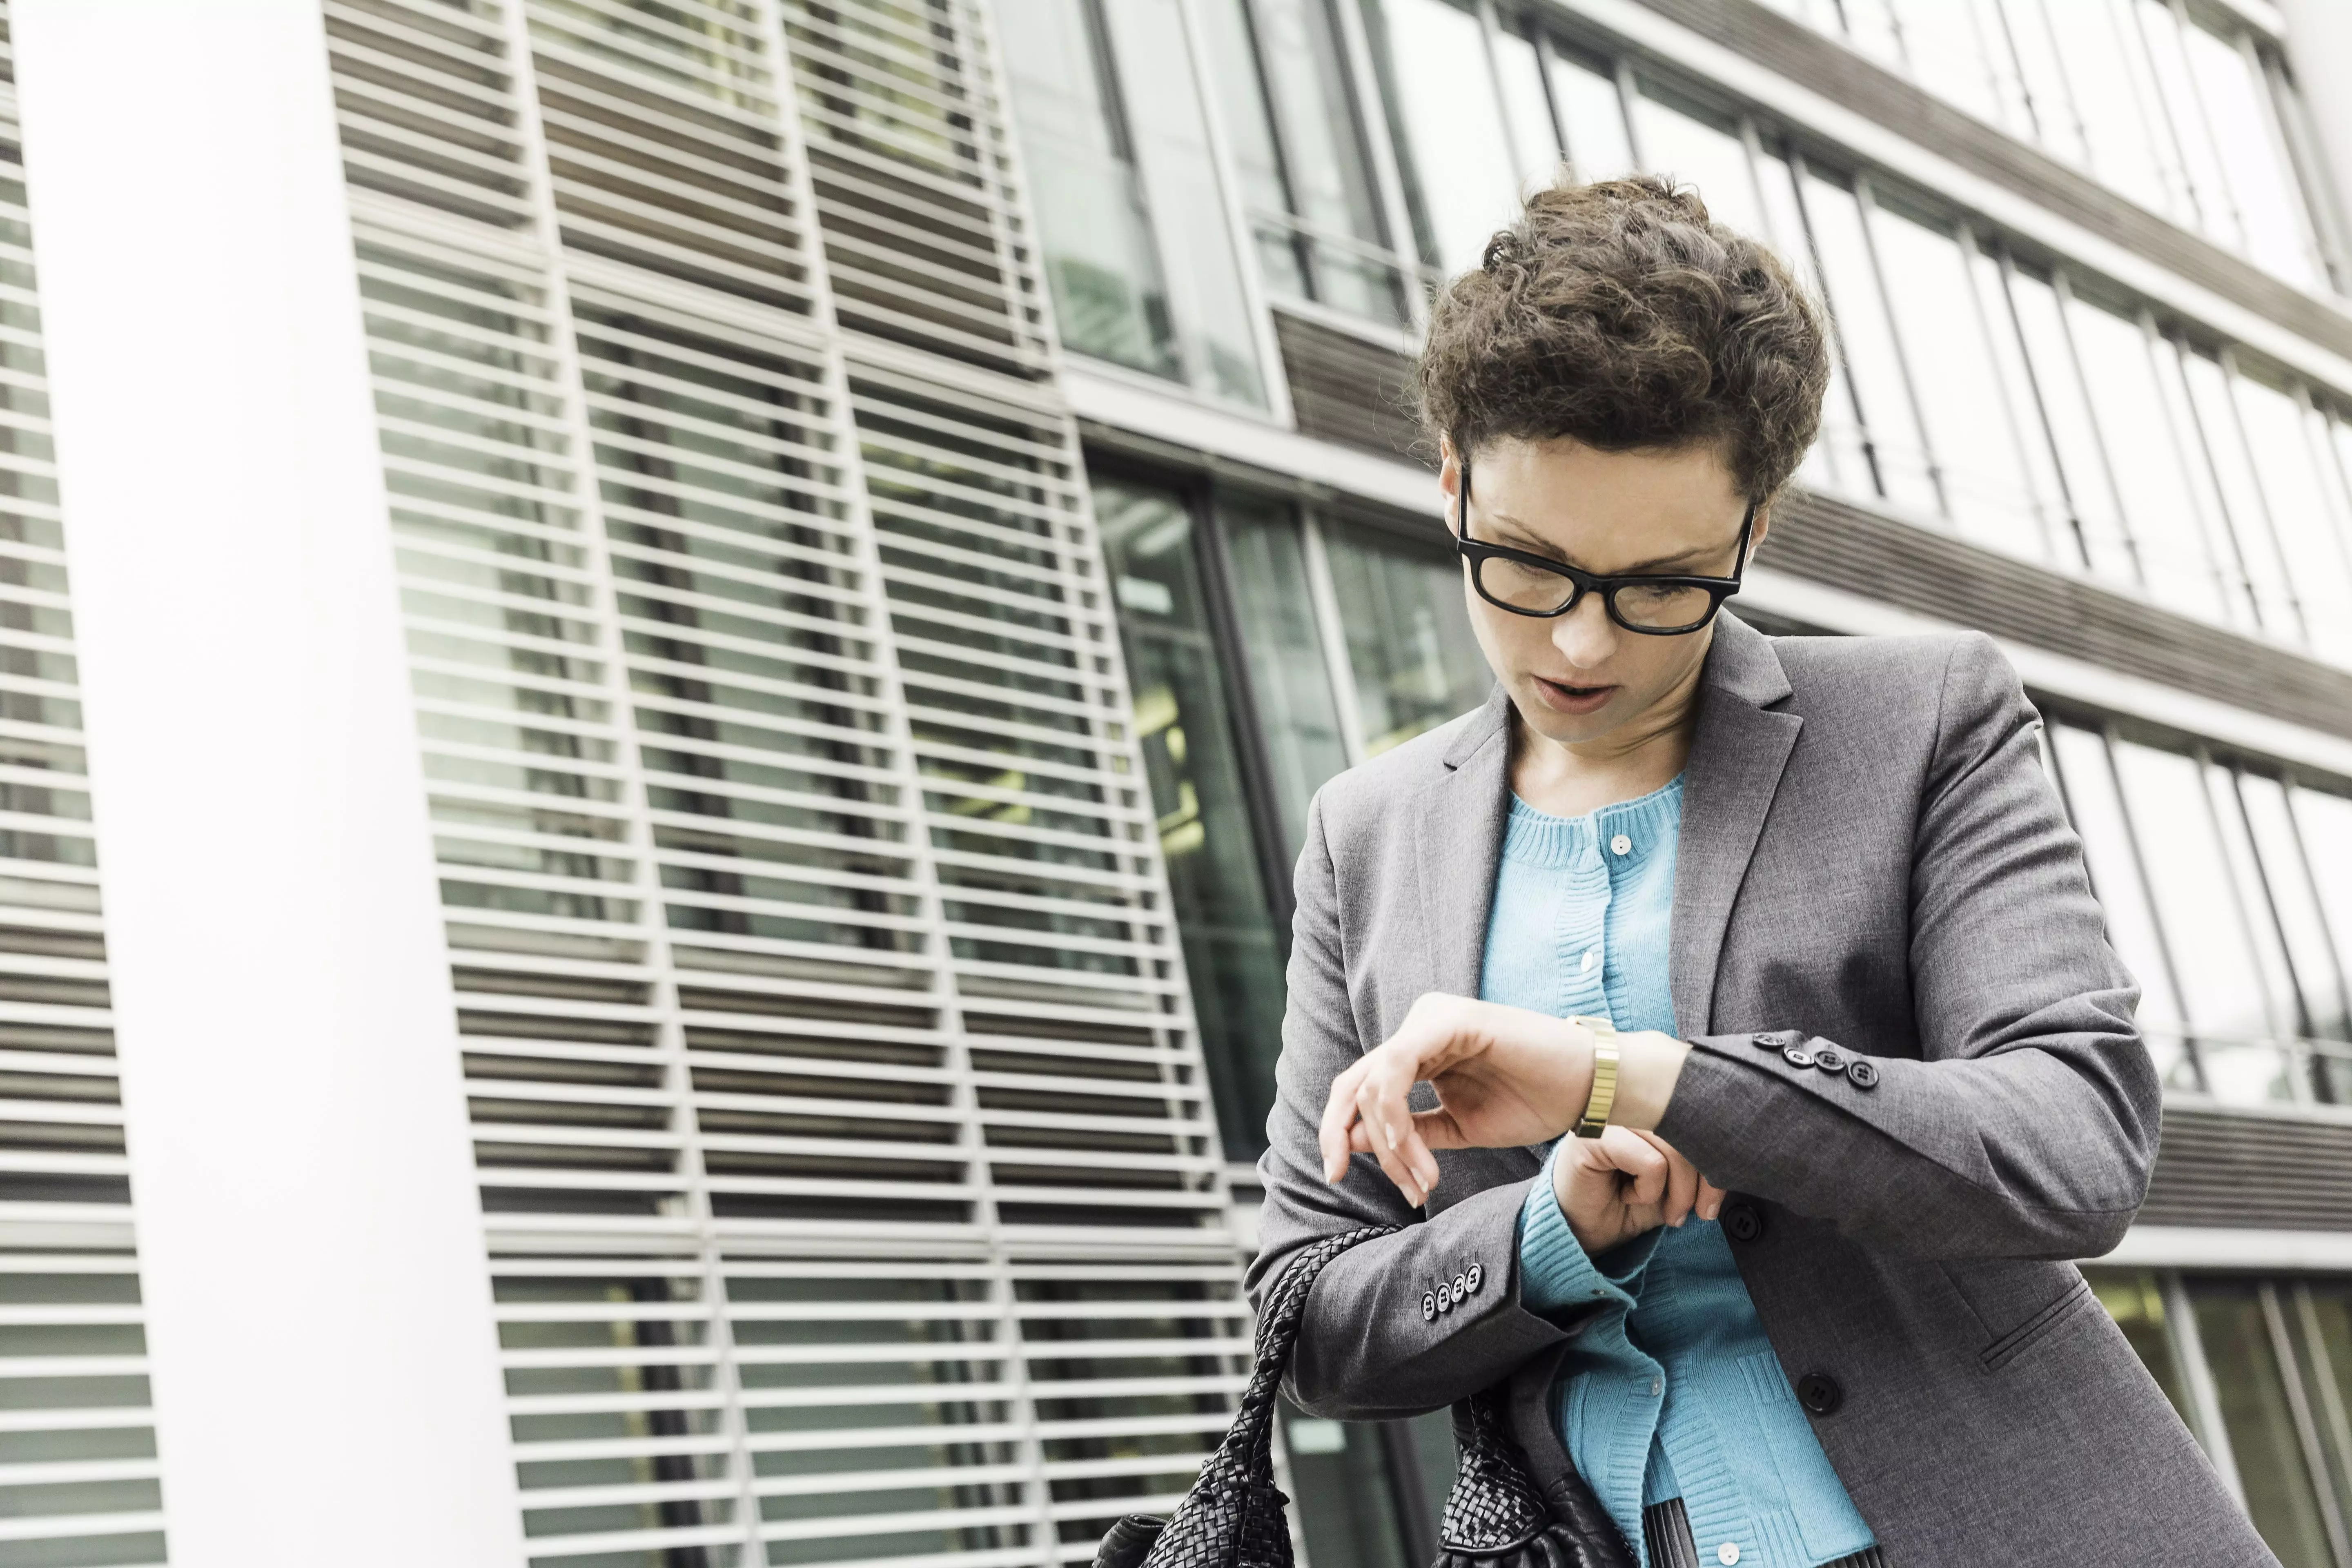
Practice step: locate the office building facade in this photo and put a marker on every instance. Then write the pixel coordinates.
(707, 626)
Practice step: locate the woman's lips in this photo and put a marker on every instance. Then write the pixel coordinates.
(1561, 697)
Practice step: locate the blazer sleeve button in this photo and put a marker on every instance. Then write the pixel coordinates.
(1818, 1392)
(1476, 1278)
(1445, 1300)
(1828, 1059)
(1861, 1073)
(1768, 1041)
(1428, 1306)
(1797, 1057)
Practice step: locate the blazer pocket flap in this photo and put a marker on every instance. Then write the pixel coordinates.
(2039, 1327)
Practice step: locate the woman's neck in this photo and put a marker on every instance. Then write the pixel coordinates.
(1569, 779)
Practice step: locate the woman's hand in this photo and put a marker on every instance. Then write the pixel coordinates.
(1505, 1077)
(1616, 1186)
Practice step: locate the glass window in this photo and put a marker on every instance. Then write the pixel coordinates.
(1948, 55)
(2091, 45)
(2232, 1323)
(2277, 975)
(2197, 901)
(2185, 115)
(2037, 463)
(1525, 108)
(1282, 646)
(2324, 827)
(1592, 115)
(1110, 298)
(2318, 975)
(1232, 954)
(1960, 391)
(1873, 367)
(1698, 147)
(2048, 99)
(1347, 1511)
(1415, 660)
(2241, 497)
(2236, 97)
(2057, 380)
(1838, 459)
(2167, 540)
(2204, 497)
(2097, 813)
(1452, 146)
(1231, 50)
(2329, 1320)
(1211, 307)
(2136, 1300)
(1283, 64)
(2277, 437)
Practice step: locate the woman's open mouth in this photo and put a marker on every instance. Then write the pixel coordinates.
(1562, 698)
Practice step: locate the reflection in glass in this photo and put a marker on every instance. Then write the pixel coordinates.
(2323, 824)
(1452, 147)
(1947, 53)
(2167, 539)
(1290, 687)
(2097, 813)
(1838, 460)
(2328, 1316)
(2055, 123)
(2112, 116)
(1410, 647)
(2234, 1328)
(1960, 392)
(2204, 497)
(2136, 1302)
(1591, 114)
(1873, 368)
(1171, 147)
(1281, 67)
(2197, 901)
(1347, 1512)
(2277, 975)
(2237, 104)
(1231, 953)
(2299, 516)
(1229, 43)
(1110, 299)
(1698, 147)
(2184, 113)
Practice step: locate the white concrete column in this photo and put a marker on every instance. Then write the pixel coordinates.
(2319, 47)
(327, 1382)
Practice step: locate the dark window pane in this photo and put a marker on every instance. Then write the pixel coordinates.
(1181, 719)
(1340, 1479)
(2260, 1421)
(2135, 1300)
(1290, 682)
(1415, 662)
(2329, 1348)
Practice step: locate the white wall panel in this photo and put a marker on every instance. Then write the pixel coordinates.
(327, 1388)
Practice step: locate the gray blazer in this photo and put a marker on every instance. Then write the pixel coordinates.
(1871, 855)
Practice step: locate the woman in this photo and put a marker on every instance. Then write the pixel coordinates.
(1789, 936)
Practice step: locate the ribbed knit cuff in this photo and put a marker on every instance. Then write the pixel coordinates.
(1555, 1272)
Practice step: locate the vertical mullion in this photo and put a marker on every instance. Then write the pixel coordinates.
(564, 345)
(1324, 599)
(2306, 1428)
(1372, 125)
(2335, 1422)
(2197, 1378)
(1866, 199)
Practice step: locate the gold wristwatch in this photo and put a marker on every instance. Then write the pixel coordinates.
(1598, 1104)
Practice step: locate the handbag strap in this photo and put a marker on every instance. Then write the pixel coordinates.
(1247, 1452)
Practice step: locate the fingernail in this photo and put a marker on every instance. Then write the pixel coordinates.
(1713, 1209)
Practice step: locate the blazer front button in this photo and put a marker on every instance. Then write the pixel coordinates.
(1742, 1221)
(1820, 1394)
(1861, 1073)
(1476, 1278)
(1428, 1305)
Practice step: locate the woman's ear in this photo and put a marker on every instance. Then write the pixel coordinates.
(1449, 482)
(1761, 527)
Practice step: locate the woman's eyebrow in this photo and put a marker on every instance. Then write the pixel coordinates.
(1520, 537)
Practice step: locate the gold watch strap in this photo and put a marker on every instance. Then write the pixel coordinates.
(1604, 1098)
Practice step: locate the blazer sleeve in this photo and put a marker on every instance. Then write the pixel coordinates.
(2028, 1126)
(1369, 1347)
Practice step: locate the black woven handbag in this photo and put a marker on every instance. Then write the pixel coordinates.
(1495, 1517)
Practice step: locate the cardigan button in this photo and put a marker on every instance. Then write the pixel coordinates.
(1820, 1394)
(1742, 1221)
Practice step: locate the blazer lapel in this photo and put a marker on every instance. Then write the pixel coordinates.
(1736, 757)
(1459, 822)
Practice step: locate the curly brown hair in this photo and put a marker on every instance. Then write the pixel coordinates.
(1620, 314)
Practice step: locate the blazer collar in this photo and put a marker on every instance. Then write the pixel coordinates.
(1736, 757)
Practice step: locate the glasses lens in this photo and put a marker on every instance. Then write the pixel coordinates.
(1519, 586)
(1663, 607)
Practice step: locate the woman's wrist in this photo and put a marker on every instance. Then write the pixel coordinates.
(1649, 1065)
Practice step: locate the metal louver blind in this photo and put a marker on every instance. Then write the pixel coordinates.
(852, 1191)
(79, 1477)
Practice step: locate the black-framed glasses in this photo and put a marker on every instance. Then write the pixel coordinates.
(1530, 584)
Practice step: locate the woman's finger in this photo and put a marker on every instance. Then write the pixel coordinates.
(1382, 1109)
(1682, 1181)
(1339, 1118)
(1645, 1164)
(1710, 1199)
